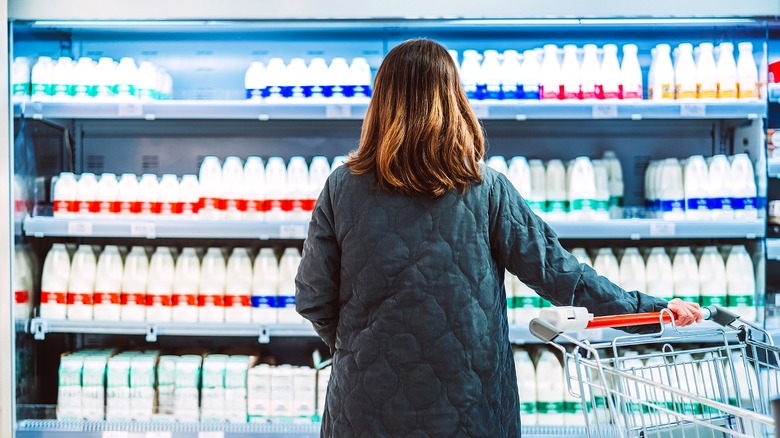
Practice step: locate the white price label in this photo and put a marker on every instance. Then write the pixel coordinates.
(158, 434)
(693, 110)
(212, 434)
(292, 231)
(593, 335)
(114, 434)
(605, 111)
(130, 109)
(662, 229)
(79, 228)
(338, 111)
(146, 230)
(481, 110)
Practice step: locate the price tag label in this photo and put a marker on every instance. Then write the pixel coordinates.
(146, 230)
(693, 110)
(662, 229)
(79, 228)
(292, 231)
(130, 109)
(605, 111)
(213, 434)
(114, 434)
(338, 111)
(481, 110)
(158, 434)
(593, 335)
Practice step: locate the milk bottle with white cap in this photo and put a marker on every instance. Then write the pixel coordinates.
(470, 72)
(107, 196)
(296, 78)
(632, 271)
(706, 73)
(147, 81)
(719, 199)
(537, 197)
(570, 72)
(159, 292)
(551, 78)
(22, 284)
(211, 307)
(105, 79)
(663, 85)
(601, 200)
(610, 73)
(288, 268)
(317, 75)
(531, 75)
(126, 79)
(65, 190)
(743, 188)
(42, 79)
(630, 74)
(727, 72)
(338, 72)
(54, 283)
(606, 265)
(685, 272)
(20, 78)
(298, 186)
(276, 72)
(555, 188)
(232, 204)
(498, 163)
(696, 183)
(254, 81)
(519, 174)
(238, 287)
(489, 82)
(63, 79)
(81, 285)
(685, 72)
(511, 72)
(210, 178)
(741, 288)
(276, 189)
(660, 274)
(360, 77)
(84, 87)
(319, 171)
(582, 190)
(168, 206)
(254, 188)
(108, 285)
(526, 386)
(186, 282)
(265, 287)
(87, 204)
(590, 76)
(712, 278)
(189, 197)
(134, 282)
(672, 192)
(549, 390)
(747, 72)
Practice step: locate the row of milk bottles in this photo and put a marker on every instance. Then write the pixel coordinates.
(87, 79)
(233, 190)
(184, 287)
(545, 398)
(581, 190)
(718, 188)
(278, 79)
(695, 74)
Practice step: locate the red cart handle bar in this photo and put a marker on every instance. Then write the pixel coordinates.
(715, 313)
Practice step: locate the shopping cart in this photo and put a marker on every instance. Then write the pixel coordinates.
(678, 387)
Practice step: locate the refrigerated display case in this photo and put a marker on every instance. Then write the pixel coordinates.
(208, 114)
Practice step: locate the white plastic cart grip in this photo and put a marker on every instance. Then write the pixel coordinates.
(567, 319)
(543, 330)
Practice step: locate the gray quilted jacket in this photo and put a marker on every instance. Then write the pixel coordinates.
(408, 293)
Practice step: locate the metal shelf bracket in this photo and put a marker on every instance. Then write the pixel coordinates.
(265, 336)
(151, 333)
(38, 328)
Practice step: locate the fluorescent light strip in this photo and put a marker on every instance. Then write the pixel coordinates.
(113, 23)
(629, 21)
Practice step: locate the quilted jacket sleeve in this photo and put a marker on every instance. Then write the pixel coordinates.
(530, 249)
(318, 279)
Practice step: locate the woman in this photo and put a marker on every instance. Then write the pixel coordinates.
(403, 269)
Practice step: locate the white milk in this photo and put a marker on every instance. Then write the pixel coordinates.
(632, 271)
(54, 283)
(159, 295)
(650, 196)
(276, 189)
(148, 87)
(685, 72)
(663, 85)
(288, 268)
(601, 210)
(134, 281)
(211, 307)
(210, 178)
(108, 284)
(259, 391)
(254, 81)
(631, 74)
(65, 195)
(22, 283)
(582, 190)
(727, 72)
(236, 394)
(706, 73)
(69, 391)
(743, 188)
(338, 74)
(526, 386)
(63, 79)
(498, 163)
(570, 72)
(142, 386)
(660, 275)
(470, 72)
(511, 73)
(296, 77)
(323, 378)
(319, 171)
(81, 286)
(526, 302)
(254, 188)
(712, 277)
(298, 186)
(282, 392)
(696, 184)
(148, 196)
(304, 393)
(537, 197)
(107, 195)
(127, 195)
(360, 77)
(555, 189)
(166, 384)
(189, 197)
(276, 71)
(672, 191)
(489, 83)
(747, 72)
(719, 188)
(186, 394)
(127, 79)
(685, 272)
(519, 174)
(590, 73)
(213, 388)
(87, 204)
(610, 73)
(186, 282)
(169, 199)
(317, 76)
(84, 79)
(741, 286)
(606, 264)
(105, 79)
(20, 78)
(232, 189)
(531, 74)
(549, 389)
(550, 85)
(42, 79)
(238, 287)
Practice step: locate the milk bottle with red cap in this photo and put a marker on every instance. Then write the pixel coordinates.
(298, 186)
(148, 196)
(211, 301)
(570, 72)
(108, 285)
(238, 287)
(54, 283)
(630, 74)
(288, 268)
(610, 73)
(159, 292)
(210, 178)
(81, 286)
(551, 76)
(254, 188)
(168, 205)
(276, 189)
(186, 282)
(65, 190)
(232, 204)
(23, 283)
(265, 287)
(127, 196)
(590, 76)
(134, 281)
(189, 197)
(107, 195)
(86, 196)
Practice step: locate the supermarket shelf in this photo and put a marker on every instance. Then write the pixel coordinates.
(634, 229)
(355, 109)
(773, 249)
(773, 168)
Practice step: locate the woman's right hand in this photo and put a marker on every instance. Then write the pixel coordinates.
(685, 312)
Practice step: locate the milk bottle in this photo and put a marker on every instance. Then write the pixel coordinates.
(318, 77)
(81, 286)
(606, 265)
(211, 307)
(590, 75)
(498, 163)
(87, 204)
(526, 386)
(288, 268)
(232, 204)
(632, 271)
(570, 72)
(105, 79)
(685, 272)
(601, 200)
(298, 188)
(712, 278)
(254, 81)
(610, 73)
(147, 81)
(719, 199)
(537, 197)
(727, 72)
(696, 188)
(54, 283)
(741, 286)
(83, 79)
(134, 281)
(338, 160)
(743, 188)
(549, 389)
(65, 190)
(238, 287)
(107, 195)
(22, 284)
(706, 73)
(660, 274)
(470, 72)
(630, 74)
(489, 80)
(186, 281)
(550, 84)
(148, 196)
(582, 190)
(127, 195)
(672, 193)
(276, 189)
(42, 78)
(189, 197)
(650, 196)
(296, 76)
(685, 73)
(582, 256)
(254, 187)
(531, 76)
(338, 71)
(169, 205)
(360, 78)
(63, 79)
(20, 78)
(276, 72)
(108, 285)
(555, 188)
(519, 175)
(747, 72)
(319, 171)
(210, 179)
(265, 287)
(511, 87)
(663, 86)
(159, 295)
(127, 79)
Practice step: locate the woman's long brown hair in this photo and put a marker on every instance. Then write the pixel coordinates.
(420, 136)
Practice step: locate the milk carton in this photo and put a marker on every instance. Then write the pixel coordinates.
(236, 393)
(238, 287)
(81, 286)
(69, 388)
(134, 283)
(186, 395)
(142, 384)
(159, 294)
(283, 392)
(166, 384)
(304, 393)
(259, 392)
(108, 285)
(265, 287)
(213, 388)
(54, 283)
(211, 307)
(186, 283)
(118, 388)
(288, 268)
(93, 387)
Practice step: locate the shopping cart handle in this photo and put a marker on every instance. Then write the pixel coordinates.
(543, 330)
(629, 320)
(719, 315)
